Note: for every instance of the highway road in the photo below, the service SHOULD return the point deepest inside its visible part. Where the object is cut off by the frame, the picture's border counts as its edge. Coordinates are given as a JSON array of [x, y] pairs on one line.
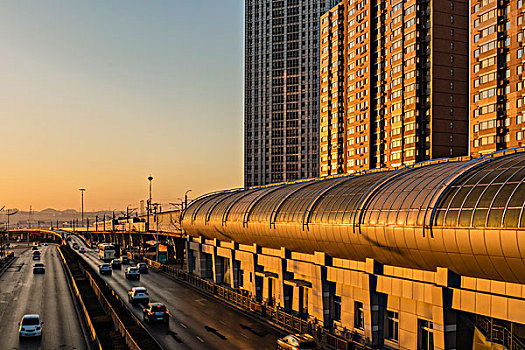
[[47, 294], [196, 320]]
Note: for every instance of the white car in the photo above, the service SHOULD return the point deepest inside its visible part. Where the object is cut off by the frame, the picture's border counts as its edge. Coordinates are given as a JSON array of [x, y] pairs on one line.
[[30, 326], [138, 295]]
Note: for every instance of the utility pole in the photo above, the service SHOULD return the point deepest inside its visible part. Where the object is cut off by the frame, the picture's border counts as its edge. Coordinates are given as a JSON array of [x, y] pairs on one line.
[[29, 223], [186, 198], [82, 195], [9, 212]]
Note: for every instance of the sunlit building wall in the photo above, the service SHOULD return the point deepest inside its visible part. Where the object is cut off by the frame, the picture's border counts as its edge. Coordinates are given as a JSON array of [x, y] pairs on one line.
[[497, 84], [405, 72]]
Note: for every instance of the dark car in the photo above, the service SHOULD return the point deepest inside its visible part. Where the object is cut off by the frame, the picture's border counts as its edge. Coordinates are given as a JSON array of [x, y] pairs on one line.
[[297, 341], [143, 267], [116, 264], [39, 268], [105, 269], [156, 312], [124, 259]]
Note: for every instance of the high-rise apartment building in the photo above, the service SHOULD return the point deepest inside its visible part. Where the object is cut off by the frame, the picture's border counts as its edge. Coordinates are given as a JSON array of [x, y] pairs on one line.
[[497, 63], [281, 89], [393, 83]]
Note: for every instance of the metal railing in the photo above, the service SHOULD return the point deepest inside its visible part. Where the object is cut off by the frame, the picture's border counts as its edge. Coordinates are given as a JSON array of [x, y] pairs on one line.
[[499, 333], [119, 326]]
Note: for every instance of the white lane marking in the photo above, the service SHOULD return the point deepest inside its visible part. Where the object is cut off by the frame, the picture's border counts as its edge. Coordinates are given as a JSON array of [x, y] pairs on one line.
[[200, 339], [183, 325], [244, 335], [224, 323], [201, 301]]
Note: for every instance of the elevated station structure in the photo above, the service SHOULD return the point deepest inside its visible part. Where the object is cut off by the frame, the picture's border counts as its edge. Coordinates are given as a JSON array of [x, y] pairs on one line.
[[425, 256]]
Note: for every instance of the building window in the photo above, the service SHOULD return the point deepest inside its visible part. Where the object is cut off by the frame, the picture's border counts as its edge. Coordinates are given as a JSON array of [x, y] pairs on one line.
[[337, 307], [359, 316], [426, 335], [392, 326]]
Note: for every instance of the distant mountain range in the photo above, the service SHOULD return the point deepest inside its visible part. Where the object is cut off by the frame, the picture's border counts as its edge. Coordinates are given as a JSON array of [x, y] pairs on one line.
[[52, 215]]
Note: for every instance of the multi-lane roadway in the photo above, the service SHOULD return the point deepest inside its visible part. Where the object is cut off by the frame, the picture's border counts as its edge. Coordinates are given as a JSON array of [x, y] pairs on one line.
[[22, 292], [196, 320]]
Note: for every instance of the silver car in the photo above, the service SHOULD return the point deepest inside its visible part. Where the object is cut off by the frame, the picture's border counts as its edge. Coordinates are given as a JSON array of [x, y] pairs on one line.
[[138, 295], [132, 272]]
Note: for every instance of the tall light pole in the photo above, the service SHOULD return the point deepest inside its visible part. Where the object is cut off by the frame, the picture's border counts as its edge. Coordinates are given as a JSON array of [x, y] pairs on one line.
[[82, 194], [150, 178], [156, 205]]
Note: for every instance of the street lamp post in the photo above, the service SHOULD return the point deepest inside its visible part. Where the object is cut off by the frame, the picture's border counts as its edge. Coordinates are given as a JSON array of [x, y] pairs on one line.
[[129, 211], [156, 205], [82, 194], [150, 178]]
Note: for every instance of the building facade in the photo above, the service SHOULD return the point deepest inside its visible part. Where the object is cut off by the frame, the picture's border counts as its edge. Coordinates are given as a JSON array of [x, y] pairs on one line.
[[393, 83], [497, 85], [424, 257], [281, 89]]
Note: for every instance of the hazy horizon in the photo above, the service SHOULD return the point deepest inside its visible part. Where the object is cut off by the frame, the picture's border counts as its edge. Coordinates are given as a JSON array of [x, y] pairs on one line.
[[102, 94]]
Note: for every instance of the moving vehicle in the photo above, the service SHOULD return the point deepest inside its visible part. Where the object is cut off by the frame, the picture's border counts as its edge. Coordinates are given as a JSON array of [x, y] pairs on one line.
[[36, 255], [116, 264], [105, 269], [124, 259], [297, 342], [75, 246], [34, 247], [137, 295], [143, 267], [156, 312], [39, 268], [106, 251], [30, 326], [132, 273], [45, 244], [82, 250]]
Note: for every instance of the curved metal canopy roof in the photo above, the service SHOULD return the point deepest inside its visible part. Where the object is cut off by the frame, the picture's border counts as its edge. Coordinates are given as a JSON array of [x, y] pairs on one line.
[[324, 214]]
